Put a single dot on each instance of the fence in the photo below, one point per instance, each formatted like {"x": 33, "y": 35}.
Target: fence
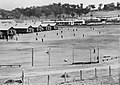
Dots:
{"x": 94, "y": 76}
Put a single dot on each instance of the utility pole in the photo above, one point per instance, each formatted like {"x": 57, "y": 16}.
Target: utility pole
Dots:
{"x": 23, "y": 76}
{"x": 49, "y": 58}
{"x": 32, "y": 57}
{"x": 48, "y": 80}
{"x": 48, "y": 52}
{"x": 73, "y": 54}
{"x": 28, "y": 81}
{"x": 80, "y": 74}
{"x": 65, "y": 79}
{"x": 98, "y": 54}
{"x": 90, "y": 56}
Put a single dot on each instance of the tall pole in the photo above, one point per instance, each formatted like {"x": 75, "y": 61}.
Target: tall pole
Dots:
{"x": 48, "y": 52}
{"x": 48, "y": 80}
{"x": 95, "y": 72}
{"x": 73, "y": 53}
{"x": 23, "y": 76}
{"x": 28, "y": 81}
{"x": 32, "y": 56}
{"x": 80, "y": 74}
{"x": 65, "y": 79}
{"x": 90, "y": 56}
{"x": 119, "y": 81}
{"x": 110, "y": 71}
{"x": 49, "y": 57}
{"x": 98, "y": 54}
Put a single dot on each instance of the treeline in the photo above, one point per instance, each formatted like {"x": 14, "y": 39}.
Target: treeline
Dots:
{"x": 56, "y": 9}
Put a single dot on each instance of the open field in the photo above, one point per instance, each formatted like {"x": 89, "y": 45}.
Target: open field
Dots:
{"x": 106, "y": 38}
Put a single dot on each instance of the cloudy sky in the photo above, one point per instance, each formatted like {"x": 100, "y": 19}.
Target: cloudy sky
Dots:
{"x": 11, "y": 4}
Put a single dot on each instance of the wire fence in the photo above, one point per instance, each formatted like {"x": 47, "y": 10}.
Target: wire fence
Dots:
{"x": 96, "y": 76}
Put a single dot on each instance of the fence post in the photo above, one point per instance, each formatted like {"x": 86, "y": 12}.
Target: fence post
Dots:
{"x": 48, "y": 52}
{"x": 80, "y": 74}
{"x": 73, "y": 54}
{"x": 95, "y": 72}
{"x": 65, "y": 79}
{"x": 48, "y": 80}
{"x": 23, "y": 76}
{"x": 110, "y": 71}
{"x": 98, "y": 55}
{"x": 28, "y": 81}
{"x": 119, "y": 81}
{"x": 32, "y": 56}
{"x": 90, "y": 56}
{"x": 101, "y": 83}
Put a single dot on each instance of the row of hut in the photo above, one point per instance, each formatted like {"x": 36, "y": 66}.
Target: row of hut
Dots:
{"x": 8, "y": 30}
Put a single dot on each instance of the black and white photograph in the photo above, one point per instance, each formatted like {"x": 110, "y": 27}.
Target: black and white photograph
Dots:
{"x": 59, "y": 42}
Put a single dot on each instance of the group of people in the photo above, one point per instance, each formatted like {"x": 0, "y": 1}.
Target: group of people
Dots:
{"x": 62, "y": 36}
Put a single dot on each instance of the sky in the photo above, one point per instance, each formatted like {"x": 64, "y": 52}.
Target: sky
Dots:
{"x": 11, "y": 4}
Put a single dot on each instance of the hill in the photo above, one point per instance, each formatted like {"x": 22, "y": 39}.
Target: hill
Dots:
{"x": 60, "y": 11}
{"x": 104, "y": 13}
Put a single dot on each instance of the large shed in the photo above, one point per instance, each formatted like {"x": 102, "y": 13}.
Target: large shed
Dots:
{"x": 36, "y": 27}
{"x": 45, "y": 27}
{"x": 53, "y": 26}
{"x": 23, "y": 28}
{"x": 6, "y": 32}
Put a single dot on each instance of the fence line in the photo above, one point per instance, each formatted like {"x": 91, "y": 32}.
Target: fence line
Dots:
{"x": 97, "y": 78}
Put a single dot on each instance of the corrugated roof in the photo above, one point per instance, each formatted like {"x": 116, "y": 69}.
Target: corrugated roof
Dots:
{"x": 52, "y": 24}
{"x": 5, "y": 26}
{"x": 36, "y": 24}
{"x": 44, "y": 25}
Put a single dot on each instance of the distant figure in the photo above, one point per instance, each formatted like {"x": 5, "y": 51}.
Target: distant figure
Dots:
{"x": 94, "y": 51}
{"x": 42, "y": 40}
{"x": 44, "y": 35}
{"x": 16, "y": 38}
{"x": 68, "y": 28}
{"x": 73, "y": 29}
{"x": 57, "y": 33}
{"x": 36, "y": 39}
{"x": 83, "y": 35}
{"x": 7, "y": 38}
{"x": 65, "y": 60}
{"x": 93, "y": 28}
{"x": 99, "y": 32}
{"x": 36, "y": 33}
{"x": 61, "y": 36}
{"x": 76, "y": 29}
{"x": 74, "y": 34}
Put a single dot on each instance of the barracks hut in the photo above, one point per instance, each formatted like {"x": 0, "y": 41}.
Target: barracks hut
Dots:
{"x": 6, "y": 32}
{"x": 23, "y": 29}
{"x": 36, "y": 27}
{"x": 48, "y": 26}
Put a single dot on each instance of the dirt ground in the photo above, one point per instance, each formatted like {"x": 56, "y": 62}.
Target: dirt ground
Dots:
{"x": 80, "y": 42}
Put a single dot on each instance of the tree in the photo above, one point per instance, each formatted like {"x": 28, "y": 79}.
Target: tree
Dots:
{"x": 79, "y": 11}
{"x": 118, "y": 5}
{"x": 47, "y": 12}
{"x": 86, "y": 10}
{"x": 110, "y": 6}
{"x": 100, "y": 5}
{"x": 81, "y": 5}
{"x": 72, "y": 14}
{"x": 92, "y": 6}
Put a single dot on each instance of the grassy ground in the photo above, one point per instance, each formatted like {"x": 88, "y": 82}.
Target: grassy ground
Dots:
{"x": 19, "y": 52}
